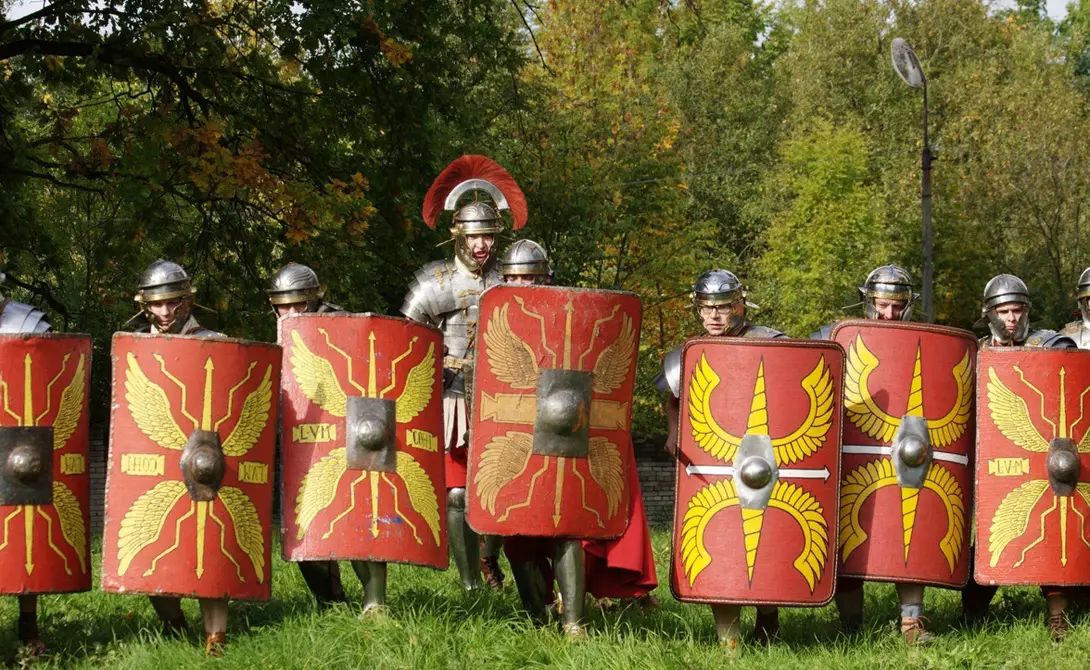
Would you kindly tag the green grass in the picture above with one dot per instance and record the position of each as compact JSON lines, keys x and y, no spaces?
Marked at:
{"x":436,"y":625}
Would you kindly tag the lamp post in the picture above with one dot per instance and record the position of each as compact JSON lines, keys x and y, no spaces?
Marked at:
{"x":908,"y":68}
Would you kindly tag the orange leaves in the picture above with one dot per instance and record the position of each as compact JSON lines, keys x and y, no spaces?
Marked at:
{"x":396,"y":53}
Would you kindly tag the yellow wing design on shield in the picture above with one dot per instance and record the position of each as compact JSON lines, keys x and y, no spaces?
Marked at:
{"x":943,"y":483}
{"x":419,"y":387}
{"x":1012,"y":516}
{"x":611,"y":370}
{"x":143,"y":523}
{"x":859,"y":405}
{"x":811,"y":434}
{"x":857,"y":486}
{"x":950,"y":428}
{"x":421,"y":491}
{"x":247,"y":525}
{"x":607,"y":470}
{"x":807,"y":512}
{"x":251,"y":422}
{"x":316,"y":378}
{"x":150,"y":408}
{"x":505,"y":457}
{"x":319,"y":489}
{"x":707,"y":502}
{"x":509,"y":357}
{"x":706,"y":431}
{"x":71,"y":518}
{"x":1011,"y":416}
{"x":71,"y":407}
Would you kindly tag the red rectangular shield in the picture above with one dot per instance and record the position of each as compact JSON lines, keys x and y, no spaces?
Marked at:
{"x":898,"y":369}
{"x":44,"y":382}
{"x":758,"y":472}
{"x":552,"y":402}
{"x":1032,"y":467}
{"x":332,"y":510}
{"x":170,"y":394}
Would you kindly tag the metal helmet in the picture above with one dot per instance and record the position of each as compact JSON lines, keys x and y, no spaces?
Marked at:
{"x":1001,"y":290}
{"x":295,"y":283}
{"x":720,"y":288}
{"x":889,"y":282}
{"x":526,"y":258}
{"x":165,"y":280}
{"x":1082,"y":294}
{"x":476,"y":218}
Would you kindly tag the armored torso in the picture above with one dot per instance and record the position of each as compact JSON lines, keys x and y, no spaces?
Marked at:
{"x":191,"y":328}
{"x":1045,"y":339}
{"x":669,"y":378}
{"x":1078,"y":331}
{"x":18,"y":317}
{"x":445,"y":294}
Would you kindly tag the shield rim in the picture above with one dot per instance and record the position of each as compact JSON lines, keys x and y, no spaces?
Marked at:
{"x":991,"y":581}
{"x":90,"y":354}
{"x":834,"y":534}
{"x":470,"y":465}
{"x":121,"y":335}
{"x":971,"y":498}
{"x":283,"y":530}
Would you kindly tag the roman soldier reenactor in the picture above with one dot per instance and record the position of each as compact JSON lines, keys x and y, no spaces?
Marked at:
{"x":1080,"y":330}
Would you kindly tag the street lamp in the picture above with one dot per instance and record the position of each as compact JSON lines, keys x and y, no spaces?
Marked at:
{"x":908,"y":68}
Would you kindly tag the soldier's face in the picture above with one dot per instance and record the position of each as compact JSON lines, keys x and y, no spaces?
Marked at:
{"x":290,"y":308}
{"x":523,"y":280}
{"x":1010,"y":313}
{"x":480,"y":246}
{"x":717,"y":318}
{"x":889,"y":310}
{"x":165,"y":312}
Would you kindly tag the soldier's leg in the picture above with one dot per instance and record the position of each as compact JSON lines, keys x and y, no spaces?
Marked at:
{"x":170,"y":613}
{"x":323,"y":578}
{"x":28,"y":625}
{"x":767,"y":625}
{"x":975,"y":598}
{"x":372,"y":575}
{"x":911,"y":599}
{"x":463,"y":541}
{"x":849,"y":603}
{"x":214,"y":613}
{"x":571,"y":575}
{"x":728,"y":624}
{"x":1056,"y":600}
{"x":490,"y":561}
{"x":532,"y":572}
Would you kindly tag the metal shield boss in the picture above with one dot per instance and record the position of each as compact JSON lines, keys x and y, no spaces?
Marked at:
{"x":1032,"y":467}
{"x":550,"y":442}
{"x":909,"y":428}
{"x":758,"y":472}
{"x":44,"y":481}
{"x":361,"y":432}
{"x":189,"y":481}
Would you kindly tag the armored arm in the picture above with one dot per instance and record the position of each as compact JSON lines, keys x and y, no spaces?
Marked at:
{"x":18,"y":317}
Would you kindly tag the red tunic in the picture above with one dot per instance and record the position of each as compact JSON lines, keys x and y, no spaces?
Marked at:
{"x":624,"y":567}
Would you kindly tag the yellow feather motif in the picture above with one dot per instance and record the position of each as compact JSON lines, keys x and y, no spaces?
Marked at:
{"x":143,"y":523}
{"x":71,"y":408}
{"x":504,"y":459}
{"x":421,"y":490}
{"x":319,"y":489}
{"x":151,"y":409}
{"x":613,"y":364}
{"x":247,"y":525}
{"x":510,"y":359}
{"x":316,"y":378}
{"x":705,"y":504}
{"x":1012,"y":516}
{"x":807,"y":512}
{"x":857,"y":486}
{"x":256,"y":411}
{"x":419,"y":388}
{"x":859,"y":405}
{"x":706,"y":431}
{"x":945,"y":485}
{"x":607,"y":471}
{"x":811,"y":434}
{"x":71,"y":517}
{"x":950,"y":428}
{"x":1011,"y":416}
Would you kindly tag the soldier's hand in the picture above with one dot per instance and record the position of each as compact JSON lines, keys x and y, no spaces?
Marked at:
{"x":448,"y":377}
{"x":670,"y":447}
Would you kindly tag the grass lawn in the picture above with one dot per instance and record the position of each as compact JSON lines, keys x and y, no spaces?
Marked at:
{"x":437,"y":625}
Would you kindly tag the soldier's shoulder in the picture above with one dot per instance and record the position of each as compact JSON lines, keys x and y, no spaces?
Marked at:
{"x":19,"y":317}
{"x":823,"y":333}
{"x":435,"y":271}
{"x":754,"y":330}
{"x":1050,"y":339}
{"x":669,"y":378}
{"x":1073,"y":328}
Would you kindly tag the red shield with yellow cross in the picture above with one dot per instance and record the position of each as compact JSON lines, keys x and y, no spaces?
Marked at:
{"x":908,"y":435}
{"x":551,"y":407}
{"x":1033,"y":467}
{"x":189,"y":479}
{"x":758,"y":472}
{"x":361,"y":423}
{"x":44,"y":485}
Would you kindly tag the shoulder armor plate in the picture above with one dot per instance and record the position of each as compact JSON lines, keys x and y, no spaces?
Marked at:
{"x":823,"y":333}
{"x":762,"y":331}
{"x":1050,"y":339}
{"x":669,"y":379}
{"x":19,"y":317}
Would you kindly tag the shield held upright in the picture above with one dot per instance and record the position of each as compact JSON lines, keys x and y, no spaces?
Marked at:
{"x":552,"y":395}
{"x":44,"y":482}
{"x":361,"y":426}
{"x":758,"y":472}
{"x":189,"y":479}
{"x":908,"y":433}
{"x":1033,"y":467}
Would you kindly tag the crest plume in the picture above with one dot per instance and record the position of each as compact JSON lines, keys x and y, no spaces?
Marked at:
{"x":473,"y":166}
